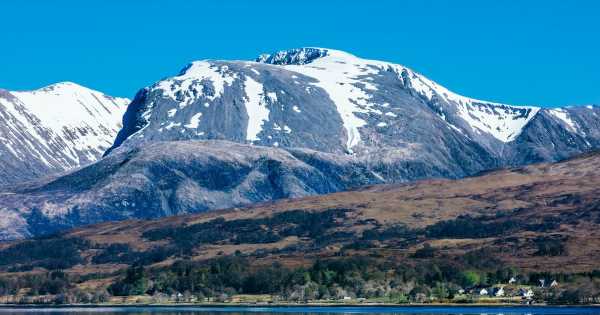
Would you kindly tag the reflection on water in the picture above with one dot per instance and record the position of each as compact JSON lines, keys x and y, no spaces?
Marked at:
{"x":419,"y":310}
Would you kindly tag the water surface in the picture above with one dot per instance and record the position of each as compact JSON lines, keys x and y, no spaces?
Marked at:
{"x":406,"y":310}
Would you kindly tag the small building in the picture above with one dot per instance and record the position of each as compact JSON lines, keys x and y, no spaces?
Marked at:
{"x":554,"y":284}
{"x":526,"y":293}
{"x":512,"y":280}
{"x":483,"y":292}
{"x":500,"y":292}
{"x":347,"y":298}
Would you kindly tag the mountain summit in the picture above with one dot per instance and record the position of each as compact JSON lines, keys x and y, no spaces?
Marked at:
{"x":54,"y":129}
{"x":332,"y":101}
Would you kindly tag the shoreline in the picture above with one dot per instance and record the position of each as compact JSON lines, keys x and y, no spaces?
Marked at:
{"x":266,"y":306}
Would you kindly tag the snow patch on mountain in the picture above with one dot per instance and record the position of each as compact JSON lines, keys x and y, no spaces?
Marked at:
{"x":345,"y":79}
{"x":337,"y":73}
{"x":504,"y":122}
{"x":192,"y":82}
{"x":194,"y":121}
{"x":256,"y":108}
{"x":564,"y":117}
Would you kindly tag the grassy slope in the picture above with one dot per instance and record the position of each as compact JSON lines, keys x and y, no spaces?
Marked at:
{"x":515,"y":209}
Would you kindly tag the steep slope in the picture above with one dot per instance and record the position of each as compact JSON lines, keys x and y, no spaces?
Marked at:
{"x":176,"y":177}
{"x":557,"y":134}
{"x":164,"y":178}
{"x":55,"y":128}
{"x":332,"y":101}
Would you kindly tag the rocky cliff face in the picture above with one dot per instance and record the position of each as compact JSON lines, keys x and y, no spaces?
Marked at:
{"x":54,"y":129}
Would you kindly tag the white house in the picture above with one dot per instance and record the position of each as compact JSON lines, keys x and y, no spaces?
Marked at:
{"x":500,"y":292}
{"x":553,"y":284}
{"x":528,"y":294}
{"x":512,"y":280}
{"x":483,"y":292}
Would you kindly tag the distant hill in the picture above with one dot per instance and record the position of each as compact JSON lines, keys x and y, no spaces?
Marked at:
{"x":535,"y":221}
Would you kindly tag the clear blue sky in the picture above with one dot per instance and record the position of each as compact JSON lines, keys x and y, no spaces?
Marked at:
{"x":521,"y":52}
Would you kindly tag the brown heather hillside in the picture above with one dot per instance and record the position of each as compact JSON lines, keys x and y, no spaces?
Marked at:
{"x":543,"y":217}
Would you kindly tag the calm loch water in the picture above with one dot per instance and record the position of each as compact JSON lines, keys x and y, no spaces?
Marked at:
{"x":443,"y":310}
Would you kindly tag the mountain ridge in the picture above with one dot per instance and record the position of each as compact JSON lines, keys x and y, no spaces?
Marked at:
{"x":54,"y":129}
{"x":349,"y":82}
{"x":271,"y":130}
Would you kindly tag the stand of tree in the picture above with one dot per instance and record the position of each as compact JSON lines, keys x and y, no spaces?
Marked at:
{"x":346,"y":277}
{"x":421,"y":276}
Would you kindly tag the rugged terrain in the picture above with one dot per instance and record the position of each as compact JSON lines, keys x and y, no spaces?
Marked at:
{"x":539,"y":218}
{"x":334,"y":102}
{"x":54,"y":129}
{"x":175,"y":177}
{"x":291,"y":124}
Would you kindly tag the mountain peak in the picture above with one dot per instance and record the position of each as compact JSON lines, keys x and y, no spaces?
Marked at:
{"x":279,"y":99}
{"x":295,"y":56}
{"x":55,"y":128}
{"x":64,"y":85}
{"x":72,"y":90}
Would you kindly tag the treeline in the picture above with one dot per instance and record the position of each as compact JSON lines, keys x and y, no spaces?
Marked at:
{"x":335,"y":278}
{"x":54,"y":287}
{"x":325,"y":279}
{"x":354,"y":277}
{"x":426,"y":274}
{"x":50,"y":253}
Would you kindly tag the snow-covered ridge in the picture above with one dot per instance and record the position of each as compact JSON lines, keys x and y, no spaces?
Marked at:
{"x":350,"y":83}
{"x":67,"y":104}
{"x":339,"y":73}
{"x":504,"y":122}
{"x":198,"y":78}
{"x":65,"y":124}
{"x":563,"y":116}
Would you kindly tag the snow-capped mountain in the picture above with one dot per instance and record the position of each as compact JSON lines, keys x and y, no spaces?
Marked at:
{"x":335,"y":102}
{"x":352,"y":83}
{"x":296,"y":123}
{"x":55,"y":128}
